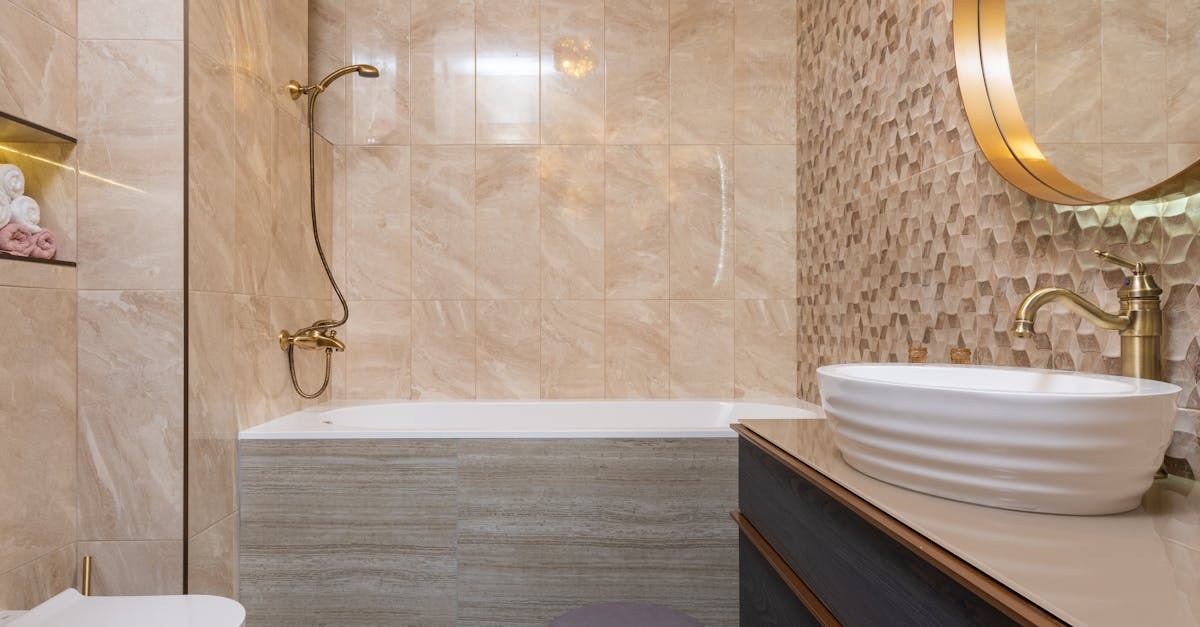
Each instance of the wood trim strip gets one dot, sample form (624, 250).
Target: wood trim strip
(995, 593)
(789, 577)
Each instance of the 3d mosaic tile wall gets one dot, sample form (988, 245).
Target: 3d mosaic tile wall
(908, 236)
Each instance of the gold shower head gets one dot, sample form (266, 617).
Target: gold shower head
(366, 71)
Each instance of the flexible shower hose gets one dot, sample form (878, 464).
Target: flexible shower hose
(321, 325)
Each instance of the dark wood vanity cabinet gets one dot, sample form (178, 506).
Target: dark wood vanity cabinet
(812, 553)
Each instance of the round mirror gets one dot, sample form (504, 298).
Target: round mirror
(1084, 101)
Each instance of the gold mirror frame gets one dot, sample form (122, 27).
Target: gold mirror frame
(986, 86)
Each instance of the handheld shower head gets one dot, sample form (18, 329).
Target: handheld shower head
(295, 89)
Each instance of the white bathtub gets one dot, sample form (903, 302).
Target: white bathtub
(524, 419)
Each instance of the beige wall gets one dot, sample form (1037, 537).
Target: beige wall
(507, 231)
(38, 419)
(908, 236)
(252, 267)
(96, 465)
(130, 282)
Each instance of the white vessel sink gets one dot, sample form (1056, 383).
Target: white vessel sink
(1016, 438)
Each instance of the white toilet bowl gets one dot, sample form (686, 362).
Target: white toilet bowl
(70, 609)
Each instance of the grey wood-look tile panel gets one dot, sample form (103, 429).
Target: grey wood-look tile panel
(484, 532)
(549, 525)
(348, 532)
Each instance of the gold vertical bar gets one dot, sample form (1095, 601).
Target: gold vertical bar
(87, 575)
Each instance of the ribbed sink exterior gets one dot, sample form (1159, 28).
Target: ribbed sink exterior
(1015, 438)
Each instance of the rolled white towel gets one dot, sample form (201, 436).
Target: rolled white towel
(12, 181)
(5, 210)
(25, 211)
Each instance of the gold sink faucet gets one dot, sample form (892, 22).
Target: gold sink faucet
(1139, 320)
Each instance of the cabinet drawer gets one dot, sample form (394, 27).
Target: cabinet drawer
(860, 573)
(765, 598)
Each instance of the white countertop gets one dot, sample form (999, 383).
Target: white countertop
(1137, 568)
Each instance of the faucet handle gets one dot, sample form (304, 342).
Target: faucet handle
(1137, 267)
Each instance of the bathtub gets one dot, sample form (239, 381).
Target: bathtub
(524, 419)
(490, 512)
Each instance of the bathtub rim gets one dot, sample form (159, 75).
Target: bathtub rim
(280, 428)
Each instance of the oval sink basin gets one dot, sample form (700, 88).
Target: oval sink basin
(1016, 438)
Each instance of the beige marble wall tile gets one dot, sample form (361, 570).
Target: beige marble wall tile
(131, 19)
(252, 43)
(287, 51)
(1082, 163)
(381, 107)
(340, 217)
(1069, 91)
(1183, 54)
(1134, 92)
(1128, 167)
(37, 417)
(1020, 35)
(212, 559)
(135, 568)
(572, 207)
(212, 479)
(36, 581)
(637, 64)
(1180, 156)
(765, 221)
(131, 183)
(60, 14)
(328, 47)
(443, 221)
(379, 354)
(636, 222)
(212, 192)
(508, 349)
(50, 179)
(702, 222)
(37, 275)
(765, 71)
(295, 269)
(702, 348)
(37, 70)
(507, 188)
(213, 383)
(443, 349)
(212, 28)
(702, 71)
(254, 158)
(764, 356)
(507, 76)
(443, 71)
(572, 107)
(378, 223)
(637, 349)
(130, 415)
(572, 349)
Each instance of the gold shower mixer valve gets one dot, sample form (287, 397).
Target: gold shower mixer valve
(315, 337)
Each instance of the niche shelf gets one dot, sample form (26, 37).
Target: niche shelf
(16, 130)
(54, 262)
(38, 142)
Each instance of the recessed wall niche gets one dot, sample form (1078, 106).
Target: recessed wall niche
(46, 157)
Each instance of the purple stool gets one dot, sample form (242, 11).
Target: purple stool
(624, 615)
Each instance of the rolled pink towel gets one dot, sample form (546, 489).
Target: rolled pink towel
(43, 245)
(17, 239)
